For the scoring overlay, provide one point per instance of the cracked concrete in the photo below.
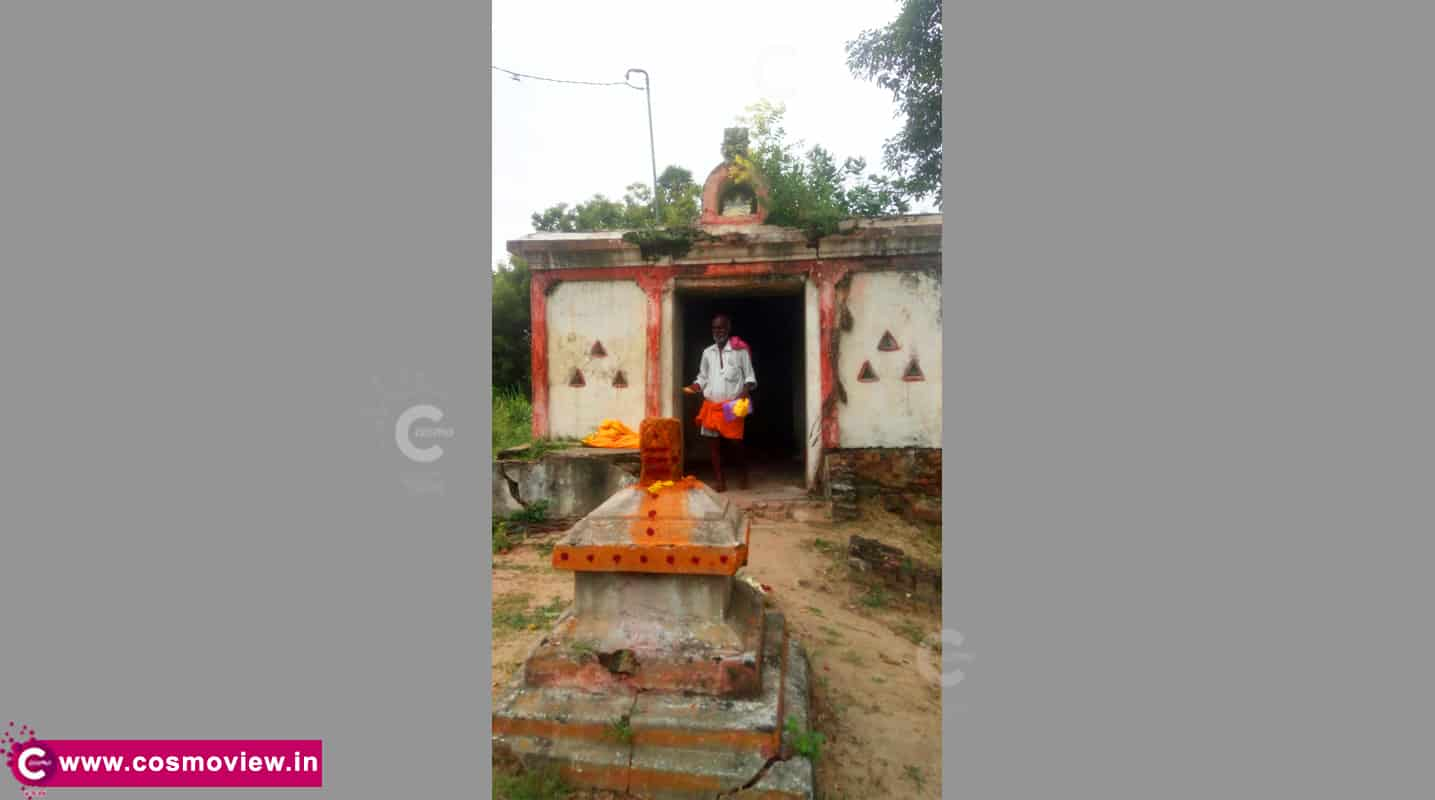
(573, 482)
(513, 490)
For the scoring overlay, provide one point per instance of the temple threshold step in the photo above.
(796, 509)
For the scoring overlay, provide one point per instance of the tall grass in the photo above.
(512, 418)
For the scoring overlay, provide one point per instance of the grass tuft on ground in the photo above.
(530, 784)
(512, 613)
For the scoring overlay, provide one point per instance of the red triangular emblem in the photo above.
(866, 374)
(913, 372)
(620, 380)
(888, 342)
(597, 350)
(577, 379)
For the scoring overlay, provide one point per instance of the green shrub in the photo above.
(621, 729)
(512, 418)
(502, 542)
(875, 598)
(807, 743)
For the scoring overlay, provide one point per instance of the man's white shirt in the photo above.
(723, 373)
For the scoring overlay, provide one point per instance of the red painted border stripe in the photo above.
(652, 285)
(538, 331)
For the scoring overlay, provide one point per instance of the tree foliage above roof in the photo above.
(677, 193)
(906, 58)
(810, 190)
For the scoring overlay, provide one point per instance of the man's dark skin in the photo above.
(722, 331)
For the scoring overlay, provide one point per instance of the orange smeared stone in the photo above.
(667, 523)
(661, 450)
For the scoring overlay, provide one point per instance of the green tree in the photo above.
(596, 214)
(679, 203)
(512, 329)
(679, 197)
(809, 190)
(906, 58)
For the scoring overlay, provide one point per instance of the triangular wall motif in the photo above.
(620, 380)
(577, 379)
(913, 372)
(866, 374)
(888, 342)
(597, 350)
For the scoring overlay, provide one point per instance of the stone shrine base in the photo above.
(677, 634)
(669, 746)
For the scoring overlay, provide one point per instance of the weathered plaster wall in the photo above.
(580, 313)
(890, 411)
(812, 434)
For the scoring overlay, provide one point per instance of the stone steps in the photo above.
(670, 746)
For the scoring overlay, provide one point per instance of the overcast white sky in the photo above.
(554, 143)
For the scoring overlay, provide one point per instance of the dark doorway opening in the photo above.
(769, 317)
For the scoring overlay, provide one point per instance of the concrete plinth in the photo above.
(677, 747)
(623, 648)
(699, 598)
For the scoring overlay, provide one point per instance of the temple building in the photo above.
(845, 332)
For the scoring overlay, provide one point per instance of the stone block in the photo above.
(925, 509)
(792, 779)
(720, 656)
(666, 597)
(667, 773)
(661, 447)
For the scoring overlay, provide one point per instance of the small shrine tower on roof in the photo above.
(730, 198)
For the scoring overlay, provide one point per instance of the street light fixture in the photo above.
(652, 147)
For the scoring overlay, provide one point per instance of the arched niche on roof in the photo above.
(726, 201)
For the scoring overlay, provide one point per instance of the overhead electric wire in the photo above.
(518, 75)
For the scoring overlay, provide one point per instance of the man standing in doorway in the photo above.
(725, 374)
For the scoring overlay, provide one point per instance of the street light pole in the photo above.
(652, 146)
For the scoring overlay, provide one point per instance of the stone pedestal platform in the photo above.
(668, 678)
(669, 746)
(668, 633)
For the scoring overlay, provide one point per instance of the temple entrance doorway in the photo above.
(768, 315)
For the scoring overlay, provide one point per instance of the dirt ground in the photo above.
(881, 717)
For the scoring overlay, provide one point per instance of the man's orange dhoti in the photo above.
(712, 418)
